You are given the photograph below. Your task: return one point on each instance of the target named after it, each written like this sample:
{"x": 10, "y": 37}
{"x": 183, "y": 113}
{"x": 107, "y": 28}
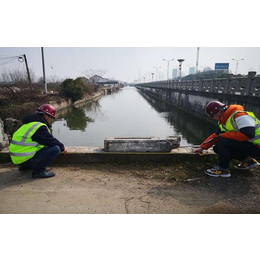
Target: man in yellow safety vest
{"x": 237, "y": 137}
{"x": 32, "y": 145}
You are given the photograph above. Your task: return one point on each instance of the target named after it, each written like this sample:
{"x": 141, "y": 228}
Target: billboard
{"x": 221, "y": 66}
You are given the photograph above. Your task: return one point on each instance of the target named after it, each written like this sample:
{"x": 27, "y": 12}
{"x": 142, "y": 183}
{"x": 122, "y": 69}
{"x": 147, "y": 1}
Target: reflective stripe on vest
{"x": 231, "y": 126}
{"x": 22, "y": 148}
{"x": 22, "y": 154}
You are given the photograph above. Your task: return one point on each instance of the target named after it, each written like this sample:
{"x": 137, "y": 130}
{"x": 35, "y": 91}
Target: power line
{"x": 49, "y": 60}
{"x": 9, "y": 59}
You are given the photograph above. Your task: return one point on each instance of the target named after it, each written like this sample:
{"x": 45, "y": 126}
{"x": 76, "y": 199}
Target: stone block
{"x": 141, "y": 144}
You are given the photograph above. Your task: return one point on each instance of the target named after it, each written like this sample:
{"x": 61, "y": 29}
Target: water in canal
{"x": 126, "y": 113}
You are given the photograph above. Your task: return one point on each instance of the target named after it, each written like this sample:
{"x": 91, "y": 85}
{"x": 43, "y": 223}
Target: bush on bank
{"x": 75, "y": 89}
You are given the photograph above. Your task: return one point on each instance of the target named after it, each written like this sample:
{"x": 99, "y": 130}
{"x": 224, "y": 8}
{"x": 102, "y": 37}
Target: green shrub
{"x": 75, "y": 89}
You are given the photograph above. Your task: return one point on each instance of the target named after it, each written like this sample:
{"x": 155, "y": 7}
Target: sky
{"x": 128, "y": 40}
{"x": 127, "y": 63}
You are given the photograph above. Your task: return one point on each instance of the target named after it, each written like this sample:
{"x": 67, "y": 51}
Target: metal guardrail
{"x": 246, "y": 86}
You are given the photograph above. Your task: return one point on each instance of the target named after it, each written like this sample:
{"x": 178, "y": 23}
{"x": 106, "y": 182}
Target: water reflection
{"x": 191, "y": 128}
{"x": 76, "y": 118}
{"x": 126, "y": 113}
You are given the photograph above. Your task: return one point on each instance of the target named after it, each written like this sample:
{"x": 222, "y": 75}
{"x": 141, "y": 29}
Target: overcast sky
{"x": 128, "y": 40}
{"x": 127, "y": 63}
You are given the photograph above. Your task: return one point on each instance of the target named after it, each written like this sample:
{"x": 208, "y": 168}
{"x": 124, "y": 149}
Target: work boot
{"x": 42, "y": 174}
{"x": 217, "y": 171}
{"x": 246, "y": 165}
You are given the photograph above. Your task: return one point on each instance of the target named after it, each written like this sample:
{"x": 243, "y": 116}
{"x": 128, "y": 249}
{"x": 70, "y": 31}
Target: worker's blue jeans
{"x": 228, "y": 149}
{"x": 42, "y": 158}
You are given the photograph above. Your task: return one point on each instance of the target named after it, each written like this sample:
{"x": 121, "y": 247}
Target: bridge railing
{"x": 247, "y": 85}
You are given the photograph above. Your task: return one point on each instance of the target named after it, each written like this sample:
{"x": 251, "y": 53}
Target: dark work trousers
{"x": 42, "y": 158}
{"x": 228, "y": 149}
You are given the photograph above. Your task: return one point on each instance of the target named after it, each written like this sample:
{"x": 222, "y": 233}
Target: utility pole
{"x": 152, "y": 75}
{"x": 28, "y": 73}
{"x": 43, "y": 67}
{"x": 197, "y": 60}
{"x": 168, "y": 61}
{"x": 237, "y": 63}
{"x": 156, "y": 71}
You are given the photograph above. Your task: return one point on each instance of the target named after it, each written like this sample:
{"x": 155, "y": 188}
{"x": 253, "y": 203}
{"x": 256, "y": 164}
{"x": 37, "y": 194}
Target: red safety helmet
{"x": 213, "y": 107}
{"x": 48, "y": 109}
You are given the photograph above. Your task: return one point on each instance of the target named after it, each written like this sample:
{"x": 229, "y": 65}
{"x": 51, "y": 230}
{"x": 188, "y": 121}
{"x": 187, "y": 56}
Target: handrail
{"x": 246, "y": 85}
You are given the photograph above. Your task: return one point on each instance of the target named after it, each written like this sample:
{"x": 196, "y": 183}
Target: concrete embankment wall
{"x": 194, "y": 102}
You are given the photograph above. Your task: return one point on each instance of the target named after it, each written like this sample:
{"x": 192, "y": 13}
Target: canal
{"x": 126, "y": 113}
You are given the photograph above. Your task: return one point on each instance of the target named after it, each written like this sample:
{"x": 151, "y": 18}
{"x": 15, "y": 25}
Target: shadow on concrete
{"x": 206, "y": 191}
{"x": 13, "y": 177}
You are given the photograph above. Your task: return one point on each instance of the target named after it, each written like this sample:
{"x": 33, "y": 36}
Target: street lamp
{"x": 180, "y": 62}
{"x": 168, "y": 61}
{"x": 156, "y": 71}
{"x": 237, "y": 64}
{"x": 152, "y": 75}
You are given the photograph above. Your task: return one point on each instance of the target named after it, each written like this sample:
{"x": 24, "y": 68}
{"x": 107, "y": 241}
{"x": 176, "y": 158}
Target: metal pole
{"x": 197, "y": 59}
{"x": 43, "y": 67}
{"x": 237, "y": 63}
{"x": 26, "y": 64}
{"x": 156, "y": 71}
{"x": 168, "y": 62}
{"x": 180, "y": 62}
{"x": 168, "y": 69}
{"x": 236, "y": 67}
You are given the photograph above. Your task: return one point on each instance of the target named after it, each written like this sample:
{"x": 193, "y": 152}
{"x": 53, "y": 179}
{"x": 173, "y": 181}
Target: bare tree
{"x": 17, "y": 77}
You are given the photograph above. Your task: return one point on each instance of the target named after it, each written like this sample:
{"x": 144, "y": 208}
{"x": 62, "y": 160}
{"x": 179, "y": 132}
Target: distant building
{"x": 207, "y": 69}
{"x": 97, "y": 79}
{"x": 105, "y": 82}
{"x": 192, "y": 70}
{"x": 174, "y": 73}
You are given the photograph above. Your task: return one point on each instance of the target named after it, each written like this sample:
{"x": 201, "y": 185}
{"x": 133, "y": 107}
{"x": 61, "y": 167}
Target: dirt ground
{"x": 129, "y": 189}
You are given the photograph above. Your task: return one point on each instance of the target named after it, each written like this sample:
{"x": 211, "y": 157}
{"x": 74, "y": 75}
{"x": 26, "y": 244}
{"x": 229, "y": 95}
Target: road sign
{"x": 221, "y": 66}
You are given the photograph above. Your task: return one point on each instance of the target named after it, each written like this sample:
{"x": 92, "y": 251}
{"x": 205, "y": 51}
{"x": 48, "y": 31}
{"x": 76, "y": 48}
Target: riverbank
{"x": 10, "y": 117}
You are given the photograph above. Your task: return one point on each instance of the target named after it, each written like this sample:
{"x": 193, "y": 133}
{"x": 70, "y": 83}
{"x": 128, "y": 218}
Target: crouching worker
{"x": 237, "y": 137}
{"x": 33, "y": 146}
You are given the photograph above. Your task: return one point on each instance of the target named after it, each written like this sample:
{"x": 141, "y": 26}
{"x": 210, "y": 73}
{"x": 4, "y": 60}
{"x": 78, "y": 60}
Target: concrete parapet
{"x": 83, "y": 155}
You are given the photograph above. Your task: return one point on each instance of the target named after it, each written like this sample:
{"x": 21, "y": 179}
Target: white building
{"x": 174, "y": 73}
{"x": 192, "y": 70}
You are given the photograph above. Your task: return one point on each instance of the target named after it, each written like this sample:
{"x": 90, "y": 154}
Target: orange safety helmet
{"x": 213, "y": 107}
{"x": 48, "y": 109}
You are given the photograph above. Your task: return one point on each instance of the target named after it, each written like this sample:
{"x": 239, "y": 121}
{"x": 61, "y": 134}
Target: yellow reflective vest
{"x": 231, "y": 126}
{"x": 22, "y": 147}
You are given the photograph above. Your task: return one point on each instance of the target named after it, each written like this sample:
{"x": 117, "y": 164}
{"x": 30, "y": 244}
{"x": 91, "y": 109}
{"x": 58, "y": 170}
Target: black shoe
{"x": 43, "y": 174}
{"x": 22, "y": 168}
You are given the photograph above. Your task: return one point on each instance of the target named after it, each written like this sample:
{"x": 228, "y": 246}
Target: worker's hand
{"x": 65, "y": 151}
{"x": 199, "y": 150}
